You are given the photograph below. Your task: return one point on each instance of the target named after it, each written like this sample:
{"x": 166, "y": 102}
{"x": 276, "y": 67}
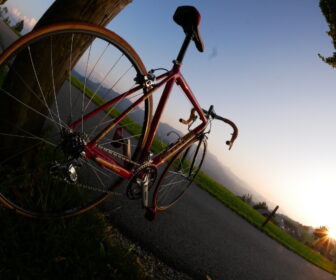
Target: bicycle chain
{"x": 113, "y": 153}
{"x": 91, "y": 188}
{"x": 120, "y": 156}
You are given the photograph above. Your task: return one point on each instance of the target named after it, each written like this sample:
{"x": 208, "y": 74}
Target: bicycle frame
{"x": 168, "y": 79}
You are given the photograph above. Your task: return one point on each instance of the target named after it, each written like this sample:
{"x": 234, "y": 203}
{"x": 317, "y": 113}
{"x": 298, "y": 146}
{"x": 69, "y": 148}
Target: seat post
{"x": 183, "y": 48}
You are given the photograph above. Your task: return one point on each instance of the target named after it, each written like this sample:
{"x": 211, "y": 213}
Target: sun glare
{"x": 332, "y": 233}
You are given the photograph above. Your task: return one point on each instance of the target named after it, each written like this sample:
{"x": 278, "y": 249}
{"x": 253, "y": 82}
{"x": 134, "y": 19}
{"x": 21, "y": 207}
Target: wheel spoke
{"x": 175, "y": 181}
{"x": 108, "y": 114}
{"x": 46, "y": 169}
{"x": 102, "y": 81}
{"x": 29, "y": 107}
{"x": 70, "y": 78}
{"x": 38, "y": 82}
{"x": 83, "y": 97}
{"x": 53, "y": 79}
{"x": 19, "y": 153}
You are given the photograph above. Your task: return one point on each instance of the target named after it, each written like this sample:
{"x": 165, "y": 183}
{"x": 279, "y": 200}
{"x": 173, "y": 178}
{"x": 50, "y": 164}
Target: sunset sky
{"x": 261, "y": 69}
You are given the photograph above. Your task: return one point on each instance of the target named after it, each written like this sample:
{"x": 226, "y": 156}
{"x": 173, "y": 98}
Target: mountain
{"x": 108, "y": 93}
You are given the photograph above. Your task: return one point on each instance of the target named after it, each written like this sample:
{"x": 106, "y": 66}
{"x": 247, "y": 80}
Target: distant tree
{"x": 323, "y": 243}
{"x": 321, "y": 232}
{"x": 19, "y": 26}
{"x": 7, "y": 20}
{"x": 3, "y": 12}
{"x": 328, "y": 8}
{"x": 261, "y": 205}
{"x": 246, "y": 198}
{"x": 3, "y": 15}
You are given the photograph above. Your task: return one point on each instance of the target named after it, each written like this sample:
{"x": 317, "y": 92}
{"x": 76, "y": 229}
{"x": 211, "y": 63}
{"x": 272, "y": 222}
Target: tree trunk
{"x": 14, "y": 117}
{"x": 99, "y": 12}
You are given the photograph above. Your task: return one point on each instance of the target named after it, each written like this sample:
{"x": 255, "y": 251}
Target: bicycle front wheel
{"x": 49, "y": 80}
{"x": 178, "y": 175}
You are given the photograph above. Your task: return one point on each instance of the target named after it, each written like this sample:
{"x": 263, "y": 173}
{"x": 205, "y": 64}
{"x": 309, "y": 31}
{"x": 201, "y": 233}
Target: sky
{"x": 260, "y": 69}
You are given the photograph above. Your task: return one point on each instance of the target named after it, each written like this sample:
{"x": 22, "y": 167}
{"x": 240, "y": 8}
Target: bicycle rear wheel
{"x": 49, "y": 79}
{"x": 178, "y": 175}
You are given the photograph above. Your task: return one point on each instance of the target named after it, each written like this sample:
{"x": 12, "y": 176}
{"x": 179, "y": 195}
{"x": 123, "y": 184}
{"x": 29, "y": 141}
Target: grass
{"x": 256, "y": 219}
{"x": 240, "y": 207}
{"x": 76, "y": 248}
{"x": 132, "y": 127}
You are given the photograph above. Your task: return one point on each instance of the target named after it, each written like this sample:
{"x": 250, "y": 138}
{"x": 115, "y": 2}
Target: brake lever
{"x": 234, "y": 134}
{"x": 192, "y": 117}
{"x": 212, "y": 114}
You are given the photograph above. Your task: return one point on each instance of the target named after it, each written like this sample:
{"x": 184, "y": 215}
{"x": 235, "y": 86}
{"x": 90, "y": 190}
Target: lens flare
{"x": 332, "y": 233}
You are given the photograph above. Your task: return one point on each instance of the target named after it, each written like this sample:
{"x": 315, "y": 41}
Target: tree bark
{"x": 15, "y": 117}
{"x": 99, "y": 12}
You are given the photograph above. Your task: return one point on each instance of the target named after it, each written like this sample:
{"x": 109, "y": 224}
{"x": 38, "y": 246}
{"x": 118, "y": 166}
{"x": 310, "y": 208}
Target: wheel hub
{"x": 73, "y": 143}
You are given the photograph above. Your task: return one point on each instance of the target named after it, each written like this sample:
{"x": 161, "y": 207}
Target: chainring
{"x": 134, "y": 187}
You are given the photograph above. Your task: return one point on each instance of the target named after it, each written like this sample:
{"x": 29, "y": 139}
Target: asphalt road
{"x": 7, "y": 35}
{"x": 201, "y": 236}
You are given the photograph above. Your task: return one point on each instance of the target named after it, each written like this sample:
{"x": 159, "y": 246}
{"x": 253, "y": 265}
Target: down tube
{"x": 190, "y": 137}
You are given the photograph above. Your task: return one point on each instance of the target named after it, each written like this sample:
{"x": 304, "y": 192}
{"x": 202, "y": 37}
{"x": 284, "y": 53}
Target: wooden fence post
{"x": 270, "y": 216}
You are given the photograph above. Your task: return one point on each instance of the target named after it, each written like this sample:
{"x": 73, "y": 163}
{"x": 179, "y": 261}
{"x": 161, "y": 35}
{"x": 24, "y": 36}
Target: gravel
{"x": 154, "y": 267}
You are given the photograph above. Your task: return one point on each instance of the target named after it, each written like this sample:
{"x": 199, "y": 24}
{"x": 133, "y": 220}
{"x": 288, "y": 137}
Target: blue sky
{"x": 260, "y": 68}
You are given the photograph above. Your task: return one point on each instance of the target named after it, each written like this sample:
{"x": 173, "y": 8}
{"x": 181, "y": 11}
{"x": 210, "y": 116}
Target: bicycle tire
{"x": 39, "y": 170}
{"x": 178, "y": 175}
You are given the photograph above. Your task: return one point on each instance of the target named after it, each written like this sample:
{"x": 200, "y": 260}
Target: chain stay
{"x": 115, "y": 154}
{"x": 118, "y": 155}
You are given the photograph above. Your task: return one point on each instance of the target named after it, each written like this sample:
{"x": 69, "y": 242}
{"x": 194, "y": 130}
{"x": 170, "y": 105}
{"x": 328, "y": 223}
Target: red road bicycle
{"x": 77, "y": 121}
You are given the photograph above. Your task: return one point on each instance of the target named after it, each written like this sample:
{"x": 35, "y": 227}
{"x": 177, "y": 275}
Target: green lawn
{"x": 255, "y": 218}
{"x": 132, "y": 127}
{"x": 76, "y": 248}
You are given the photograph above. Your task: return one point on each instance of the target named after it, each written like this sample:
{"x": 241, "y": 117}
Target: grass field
{"x": 243, "y": 209}
{"x": 76, "y": 248}
{"x": 255, "y": 218}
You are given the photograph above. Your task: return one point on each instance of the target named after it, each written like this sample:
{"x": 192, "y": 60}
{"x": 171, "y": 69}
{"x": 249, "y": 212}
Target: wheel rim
{"x": 178, "y": 175}
{"x": 43, "y": 168}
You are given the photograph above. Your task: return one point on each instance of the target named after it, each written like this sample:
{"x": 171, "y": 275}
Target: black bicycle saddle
{"x": 189, "y": 18}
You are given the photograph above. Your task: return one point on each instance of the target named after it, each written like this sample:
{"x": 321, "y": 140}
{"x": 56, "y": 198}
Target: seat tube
{"x": 158, "y": 113}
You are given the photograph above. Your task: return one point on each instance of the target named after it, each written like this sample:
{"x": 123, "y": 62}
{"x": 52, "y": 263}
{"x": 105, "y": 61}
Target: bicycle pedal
{"x": 150, "y": 214}
{"x": 133, "y": 192}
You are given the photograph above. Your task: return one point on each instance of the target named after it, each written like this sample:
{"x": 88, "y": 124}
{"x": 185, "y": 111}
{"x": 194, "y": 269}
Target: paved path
{"x": 7, "y": 35}
{"x": 201, "y": 236}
